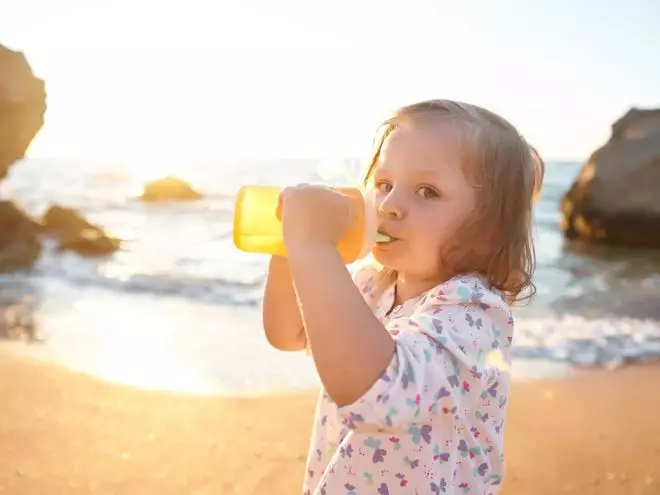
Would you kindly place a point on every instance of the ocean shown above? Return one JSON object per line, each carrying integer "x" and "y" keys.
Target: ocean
{"x": 178, "y": 307}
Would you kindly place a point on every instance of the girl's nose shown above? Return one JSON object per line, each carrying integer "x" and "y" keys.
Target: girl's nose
{"x": 391, "y": 206}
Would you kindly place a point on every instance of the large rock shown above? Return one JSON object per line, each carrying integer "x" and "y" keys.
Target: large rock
{"x": 22, "y": 107}
{"x": 20, "y": 246}
{"x": 77, "y": 234}
{"x": 616, "y": 197}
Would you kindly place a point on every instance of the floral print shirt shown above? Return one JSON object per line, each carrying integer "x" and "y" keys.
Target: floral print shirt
{"x": 433, "y": 422}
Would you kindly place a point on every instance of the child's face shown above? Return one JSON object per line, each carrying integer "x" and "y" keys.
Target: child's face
{"x": 422, "y": 197}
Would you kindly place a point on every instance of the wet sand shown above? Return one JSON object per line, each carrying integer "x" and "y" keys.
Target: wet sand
{"x": 68, "y": 433}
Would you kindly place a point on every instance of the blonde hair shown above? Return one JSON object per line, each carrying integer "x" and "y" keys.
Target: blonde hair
{"x": 506, "y": 173}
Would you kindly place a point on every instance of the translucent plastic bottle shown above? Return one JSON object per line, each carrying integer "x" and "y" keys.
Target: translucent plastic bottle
{"x": 258, "y": 230}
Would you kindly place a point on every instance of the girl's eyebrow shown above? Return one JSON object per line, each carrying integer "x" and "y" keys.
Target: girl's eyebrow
{"x": 430, "y": 176}
{"x": 425, "y": 174}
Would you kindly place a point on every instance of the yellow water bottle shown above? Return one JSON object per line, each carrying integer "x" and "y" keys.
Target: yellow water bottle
{"x": 258, "y": 230}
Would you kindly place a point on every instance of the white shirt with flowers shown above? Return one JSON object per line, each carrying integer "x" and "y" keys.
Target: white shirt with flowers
{"x": 433, "y": 423}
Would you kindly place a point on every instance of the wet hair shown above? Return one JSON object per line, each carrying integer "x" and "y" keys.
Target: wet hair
{"x": 506, "y": 173}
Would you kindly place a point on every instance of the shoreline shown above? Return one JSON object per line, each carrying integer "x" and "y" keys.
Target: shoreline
{"x": 170, "y": 343}
{"x": 70, "y": 433}
{"x": 167, "y": 342}
{"x": 522, "y": 370}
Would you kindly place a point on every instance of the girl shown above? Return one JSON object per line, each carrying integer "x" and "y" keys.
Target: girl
{"x": 412, "y": 350}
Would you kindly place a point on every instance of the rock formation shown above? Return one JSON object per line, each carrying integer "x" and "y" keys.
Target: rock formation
{"x": 22, "y": 107}
{"x": 20, "y": 246}
{"x": 169, "y": 189}
{"x": 616, "y": 197}
{"x": 77, "y": 234}
{"x": 22, "y": 110}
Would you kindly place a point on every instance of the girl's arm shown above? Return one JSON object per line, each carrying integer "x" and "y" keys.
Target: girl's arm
{"x": 281, "y": 317}
{"x": 350, "y": 347}
{"x": 441, "y": 359}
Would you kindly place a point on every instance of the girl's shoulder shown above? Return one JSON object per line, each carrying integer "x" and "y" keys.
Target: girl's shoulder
{"x": 469, "y": 292}
{"x": 468, "y": 288}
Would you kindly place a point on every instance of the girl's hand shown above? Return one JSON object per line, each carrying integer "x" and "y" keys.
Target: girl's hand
{"x": 313, "y": 214}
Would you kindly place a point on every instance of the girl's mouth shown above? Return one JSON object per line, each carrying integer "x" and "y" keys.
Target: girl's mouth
{"x": 382, "y": 238}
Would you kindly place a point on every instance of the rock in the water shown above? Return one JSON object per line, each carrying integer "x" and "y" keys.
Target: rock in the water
{"x": 616, "y": 197}
{"x": 62, "y": 219}
{"x": 169, "y": 189}
{"x": 89, "y": 242}
{"x": 20, "y": 246}
{"x": 22, "y": 107}
{"x": 77, "y": 234}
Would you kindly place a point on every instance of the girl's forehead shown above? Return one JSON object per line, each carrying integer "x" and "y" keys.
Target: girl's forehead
{"x": 431, "y": 146}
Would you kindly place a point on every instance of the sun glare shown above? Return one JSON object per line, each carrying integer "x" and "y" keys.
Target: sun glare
{"x": 139, "y": 349}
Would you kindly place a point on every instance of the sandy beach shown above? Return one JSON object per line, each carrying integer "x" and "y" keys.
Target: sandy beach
{"x": 68, "y": 433}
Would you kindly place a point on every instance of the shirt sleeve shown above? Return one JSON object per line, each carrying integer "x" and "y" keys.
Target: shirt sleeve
{"x": 439, "y": 363}
{"x": 365, "y": 275}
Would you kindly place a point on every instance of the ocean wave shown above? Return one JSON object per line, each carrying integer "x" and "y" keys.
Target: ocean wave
{"x": 609, "y": 342}
{"x": 81, "y": 273}
{"x": 203, "y": 290}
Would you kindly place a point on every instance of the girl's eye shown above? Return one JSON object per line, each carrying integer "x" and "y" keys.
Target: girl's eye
{"x": 428, "y": 192}
{"x": 384, "y": 187}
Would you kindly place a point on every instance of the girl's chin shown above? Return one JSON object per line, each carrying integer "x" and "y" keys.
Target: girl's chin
{"x": 386, "y": 254}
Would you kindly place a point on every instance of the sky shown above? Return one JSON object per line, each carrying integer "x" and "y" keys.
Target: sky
{"x": 200, "y": 80}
